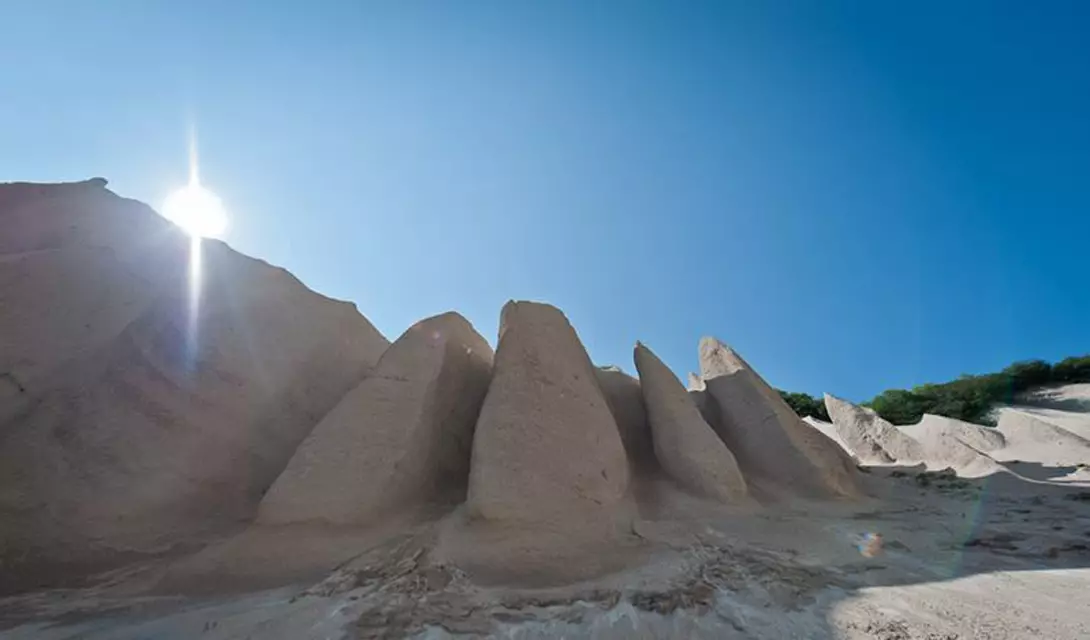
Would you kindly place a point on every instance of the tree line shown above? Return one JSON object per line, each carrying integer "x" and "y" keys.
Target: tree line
{"x": 969, "y": 398}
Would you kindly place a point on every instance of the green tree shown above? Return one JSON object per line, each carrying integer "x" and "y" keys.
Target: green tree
{"x": 899, "y": 406}
{"x": 805, "y": 405}
{"x": 1029, "y": 374}
{"x": 1074, "y": 369}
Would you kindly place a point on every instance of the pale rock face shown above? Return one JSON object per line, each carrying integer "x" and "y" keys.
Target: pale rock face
{"x": 774, "y": 448}
{"x": 546, "y": 446}
{"x": 146, "y": 422}
{"x": 696, "y": 383}
{"x": 872, "y": 439}
{"x": 625, "y": 400}
{"x": 47, "y": 217}
{"x": 688, "y": 449}
{"x": 400, "y": 438}
{"x": 77, "y": 265}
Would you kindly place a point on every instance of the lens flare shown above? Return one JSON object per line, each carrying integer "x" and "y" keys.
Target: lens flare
{"x": 201, "y": 214}
{"x": 196, "y": 210}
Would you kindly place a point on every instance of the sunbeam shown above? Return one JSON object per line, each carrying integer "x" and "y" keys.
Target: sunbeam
{"x": 196, "y": 268}
{"x": 201, "y": 214}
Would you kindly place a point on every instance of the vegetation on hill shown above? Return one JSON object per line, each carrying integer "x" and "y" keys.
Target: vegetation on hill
{"x": 968, "y": 398}
{"x": 805, "y": 404}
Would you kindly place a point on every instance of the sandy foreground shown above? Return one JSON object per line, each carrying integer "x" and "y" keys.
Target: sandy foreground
{"x": 998, "y": 557}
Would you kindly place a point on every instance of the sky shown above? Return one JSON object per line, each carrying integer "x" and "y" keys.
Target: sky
{"x": 854, "y": 195}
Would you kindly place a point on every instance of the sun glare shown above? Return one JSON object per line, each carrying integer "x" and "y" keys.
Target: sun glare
{"x": 196, "y": 210}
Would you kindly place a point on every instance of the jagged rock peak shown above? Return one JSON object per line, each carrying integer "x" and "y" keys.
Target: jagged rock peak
{"x": 685, "y": 445}
{"x": 774, "y": 448}
{"x": 717, "y": 359}
{"x": 869, "y": 437}
{"x": 546, "y": 445}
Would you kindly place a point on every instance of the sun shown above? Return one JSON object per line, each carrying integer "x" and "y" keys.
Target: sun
{"x": 198, "y": 211}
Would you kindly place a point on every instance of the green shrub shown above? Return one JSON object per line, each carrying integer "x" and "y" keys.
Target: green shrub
{"x": 805, "y": 405}
{"x": 899, "y": 406}
{"x": 1028, "y": 375}
{"x": 968, "y": 398}
{"x": 1074, "y": 369}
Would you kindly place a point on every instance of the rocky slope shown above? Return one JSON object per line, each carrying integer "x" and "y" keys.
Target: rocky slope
{"x": 145, "y": 416}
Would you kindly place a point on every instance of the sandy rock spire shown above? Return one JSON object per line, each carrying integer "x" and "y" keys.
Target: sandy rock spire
{"x": 401, "y": 437}
{"x": 685, "y": 445}
{"x": 776, "y": 451}
{"x": 546, "y": 446}
{"x": 872, "y": 439}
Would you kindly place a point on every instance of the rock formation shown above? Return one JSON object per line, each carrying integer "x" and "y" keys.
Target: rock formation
{"x": 971, "y": 450}
{"x": 402, "y": 437}
{"x": 237, "y": 431}
{"x": 870, "y": 438}
{"x": 547, "y": 449}
{"x": 146, "y": 414}
{"x": 777, "y": 453}
{"x": 77, "y": 265}
{"x": 685, "y": 445}
{"x": 936, "y": 441}
{"x": 625, "y": 399}
{"x": 157, "y": 390}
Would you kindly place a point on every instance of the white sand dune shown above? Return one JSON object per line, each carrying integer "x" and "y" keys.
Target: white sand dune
{"x": 950, "y": 443}
{"x": 1023, "y": 440}
{"x": 978, "y": 437}
{"x": 1030, "y": 438}
{"x": 1066, "y": 406}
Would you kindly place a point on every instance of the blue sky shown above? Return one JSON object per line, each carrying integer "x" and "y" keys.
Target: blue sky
{"x": 855, "y": 195}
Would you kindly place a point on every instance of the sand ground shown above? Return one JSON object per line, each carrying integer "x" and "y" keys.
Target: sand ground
{"x": 999, "y": 557}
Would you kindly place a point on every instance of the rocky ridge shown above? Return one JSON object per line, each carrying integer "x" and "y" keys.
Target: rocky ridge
{"x": 145, "y": 419}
